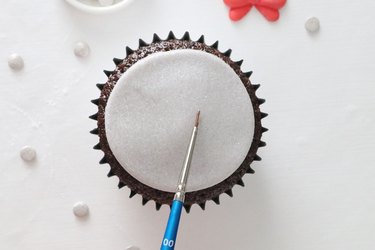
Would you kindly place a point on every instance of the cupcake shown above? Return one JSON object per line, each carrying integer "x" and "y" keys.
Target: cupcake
{"x": 145, "y": 114}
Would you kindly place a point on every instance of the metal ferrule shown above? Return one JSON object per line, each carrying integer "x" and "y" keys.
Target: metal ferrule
{"x": 181, "y": 187}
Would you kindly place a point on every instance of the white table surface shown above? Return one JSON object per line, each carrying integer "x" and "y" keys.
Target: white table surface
{"x": 314, "y": 188}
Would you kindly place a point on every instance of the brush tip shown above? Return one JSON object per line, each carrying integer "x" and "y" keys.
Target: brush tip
{"x": 197, "y": 118}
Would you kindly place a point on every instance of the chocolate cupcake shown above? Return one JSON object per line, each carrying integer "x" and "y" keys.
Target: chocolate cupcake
{"x": 145, "y": 114}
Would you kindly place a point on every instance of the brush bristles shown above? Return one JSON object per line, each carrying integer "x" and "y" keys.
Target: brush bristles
{"x": 197, "y": 118}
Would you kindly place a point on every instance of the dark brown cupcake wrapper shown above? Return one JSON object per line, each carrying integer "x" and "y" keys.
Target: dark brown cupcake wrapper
{"x": 148, "y": 193}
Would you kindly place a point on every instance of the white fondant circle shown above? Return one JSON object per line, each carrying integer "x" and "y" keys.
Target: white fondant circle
{"x": 150, "y": 115}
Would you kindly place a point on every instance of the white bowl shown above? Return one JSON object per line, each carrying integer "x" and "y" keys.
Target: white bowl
{"x": 98, "y": 9}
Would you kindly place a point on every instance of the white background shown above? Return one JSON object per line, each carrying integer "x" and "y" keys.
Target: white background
{"x": 314, "y": 188}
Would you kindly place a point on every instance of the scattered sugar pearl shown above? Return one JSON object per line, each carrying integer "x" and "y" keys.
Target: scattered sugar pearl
{"x": 133, "y": 248}
{"x": 312, "y": 24}
{"x": 81, "y": 49}
{"x": 15, "y": 62}
{"x": 80, "y": 209}
{"x": 28, "y": 153}
{"x": 106, "y": 2}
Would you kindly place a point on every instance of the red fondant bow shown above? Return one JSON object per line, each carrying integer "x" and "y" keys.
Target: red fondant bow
{"x": 268, "y": 8}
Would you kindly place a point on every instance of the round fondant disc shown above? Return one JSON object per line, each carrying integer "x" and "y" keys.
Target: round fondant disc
{"x": 150, "y": 115}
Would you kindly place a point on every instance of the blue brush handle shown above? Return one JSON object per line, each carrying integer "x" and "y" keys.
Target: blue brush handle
{"x": 169, "y": 240}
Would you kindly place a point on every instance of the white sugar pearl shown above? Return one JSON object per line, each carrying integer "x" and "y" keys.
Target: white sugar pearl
{"x": 15, "y": 62}
{"x": 81, "y": 49}
{"x": 28, "y": 153}
{"x": 80, "y": 209}
{"x": 106, "y": 2}
{"x": 312, "y": 24}
{"x": 133, "y": 248}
